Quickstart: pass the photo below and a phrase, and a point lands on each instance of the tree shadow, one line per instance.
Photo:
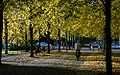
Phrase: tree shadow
(6, 69)
(116, 54)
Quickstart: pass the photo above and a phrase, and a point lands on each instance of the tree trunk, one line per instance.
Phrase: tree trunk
(31, 41)
(1, 29)
(66, 41)
(17, 40)
(79, 39)
(6, 37)
(108, 37)
(26, 42)
(26, 46)
(119, 40)
(48, 42)
(54, 45)
(59, 39)
(63, 43)
(73, 41)
(48, 39)
(69, 40)
(39, 40)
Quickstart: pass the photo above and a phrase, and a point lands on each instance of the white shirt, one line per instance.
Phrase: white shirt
(77, 46)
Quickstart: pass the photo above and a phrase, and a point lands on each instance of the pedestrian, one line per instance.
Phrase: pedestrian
(90, 45)
(99, 46)
(77, 48)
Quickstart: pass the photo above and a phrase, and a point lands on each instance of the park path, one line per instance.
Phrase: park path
(14, 57)
(64, 60)
(19, 55)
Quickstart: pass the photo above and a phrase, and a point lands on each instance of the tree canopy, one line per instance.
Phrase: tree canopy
(84, 18)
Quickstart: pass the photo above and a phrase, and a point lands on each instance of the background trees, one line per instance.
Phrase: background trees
(1, 28)
(80, 18)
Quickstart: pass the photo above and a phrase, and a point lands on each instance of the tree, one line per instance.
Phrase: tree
(6, 37)
(48, 38)
(81, 18)
(31, 41)
(39, 40)
(108, 39)
(1, 29)
(59, 39)
(69, 41)
(66, 41)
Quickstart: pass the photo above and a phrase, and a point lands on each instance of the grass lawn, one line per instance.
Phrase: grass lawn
(17, 51)
(12, 53)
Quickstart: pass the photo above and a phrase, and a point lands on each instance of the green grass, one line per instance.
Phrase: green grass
(15, 51)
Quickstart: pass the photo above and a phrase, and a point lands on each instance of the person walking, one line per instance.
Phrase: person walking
(90, 45)
(77, 48)
(99, 46)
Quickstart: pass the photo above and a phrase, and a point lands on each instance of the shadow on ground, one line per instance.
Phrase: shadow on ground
(6, 69)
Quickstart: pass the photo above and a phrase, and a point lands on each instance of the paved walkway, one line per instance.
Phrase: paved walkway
(19, 55)
(14, 57)
(63, 59)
